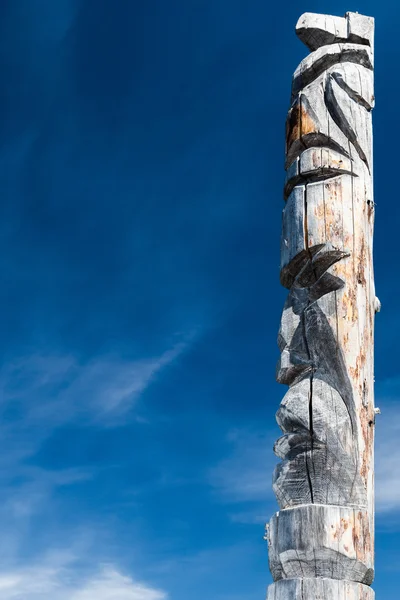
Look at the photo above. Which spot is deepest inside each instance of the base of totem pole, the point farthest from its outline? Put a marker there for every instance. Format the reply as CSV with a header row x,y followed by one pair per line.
x,y
319,589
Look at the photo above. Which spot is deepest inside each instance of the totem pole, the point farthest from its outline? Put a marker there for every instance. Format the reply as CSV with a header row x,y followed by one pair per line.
x,y
321,542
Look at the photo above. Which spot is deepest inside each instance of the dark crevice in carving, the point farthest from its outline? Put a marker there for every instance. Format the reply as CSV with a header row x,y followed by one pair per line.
x,y
306,224
340,119
317,259
320,174
314,274
315,139
338,77
309,358
358,56
310,417
313,39
356,39
313,43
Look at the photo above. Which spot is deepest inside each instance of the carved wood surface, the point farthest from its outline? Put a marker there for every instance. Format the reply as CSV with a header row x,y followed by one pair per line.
x,y
319,589
324,482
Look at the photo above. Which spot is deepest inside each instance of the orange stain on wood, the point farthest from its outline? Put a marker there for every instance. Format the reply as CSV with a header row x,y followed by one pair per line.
x,y
299,123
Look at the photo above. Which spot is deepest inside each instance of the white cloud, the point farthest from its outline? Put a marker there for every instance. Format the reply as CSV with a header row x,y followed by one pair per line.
x,y
112,585
47,582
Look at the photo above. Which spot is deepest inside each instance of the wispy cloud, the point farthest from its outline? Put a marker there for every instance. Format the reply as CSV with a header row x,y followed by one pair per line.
x,y
27,488
38,394
49,581
60,388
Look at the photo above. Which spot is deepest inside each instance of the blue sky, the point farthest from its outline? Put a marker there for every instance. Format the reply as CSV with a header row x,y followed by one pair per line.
x,y
141,176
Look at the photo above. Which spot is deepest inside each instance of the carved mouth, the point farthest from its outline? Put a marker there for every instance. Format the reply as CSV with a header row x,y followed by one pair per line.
x,y
290,445
312,139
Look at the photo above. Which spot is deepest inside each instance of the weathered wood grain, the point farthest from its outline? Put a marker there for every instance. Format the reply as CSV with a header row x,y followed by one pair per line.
x,y
317,30
322,59
317,164
319,464
320,30
331,111
319,589
321,543
360,28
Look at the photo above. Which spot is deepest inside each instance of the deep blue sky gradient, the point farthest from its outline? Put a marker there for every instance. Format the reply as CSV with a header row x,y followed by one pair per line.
x,y
141,173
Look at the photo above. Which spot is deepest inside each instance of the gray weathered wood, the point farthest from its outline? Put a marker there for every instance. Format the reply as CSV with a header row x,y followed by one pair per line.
x,y
320,30
319,589
321,543
316,30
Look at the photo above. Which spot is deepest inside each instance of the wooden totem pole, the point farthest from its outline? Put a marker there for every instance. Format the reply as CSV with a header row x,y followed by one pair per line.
x,y
321,542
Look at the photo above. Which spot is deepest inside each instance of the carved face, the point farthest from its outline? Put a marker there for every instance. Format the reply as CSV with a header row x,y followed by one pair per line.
x,y
317,414
318,460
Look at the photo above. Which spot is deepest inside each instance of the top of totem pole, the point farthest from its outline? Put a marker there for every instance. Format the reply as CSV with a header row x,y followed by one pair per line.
x,y
316,30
